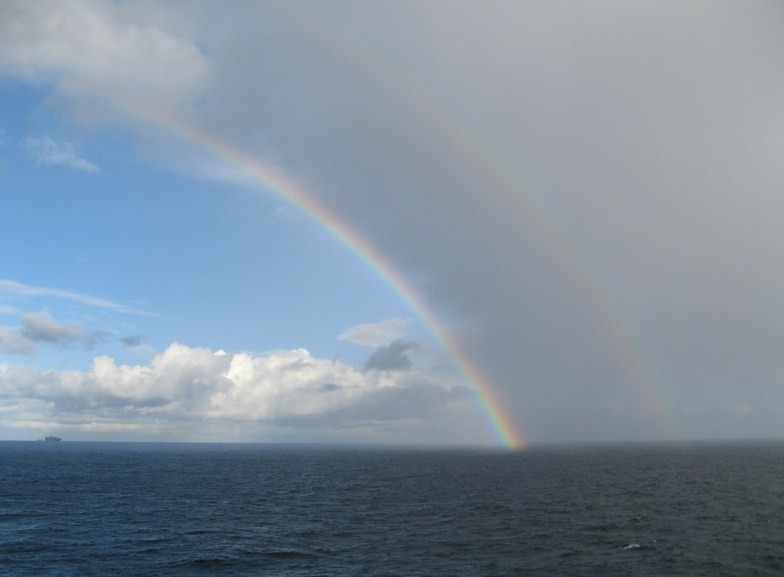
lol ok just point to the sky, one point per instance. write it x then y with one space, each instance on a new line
464 223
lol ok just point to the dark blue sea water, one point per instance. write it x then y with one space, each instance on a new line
82 509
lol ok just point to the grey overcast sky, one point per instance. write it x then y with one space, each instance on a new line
588 195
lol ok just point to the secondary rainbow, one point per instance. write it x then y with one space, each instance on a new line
277 181
497 173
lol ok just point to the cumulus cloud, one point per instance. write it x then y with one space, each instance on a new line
48 152
376 334
197 384
391 357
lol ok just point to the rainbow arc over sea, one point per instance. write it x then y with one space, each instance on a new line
276 181
502 177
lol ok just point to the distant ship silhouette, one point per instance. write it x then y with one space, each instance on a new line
52 439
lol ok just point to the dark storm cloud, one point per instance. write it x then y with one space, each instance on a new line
593 188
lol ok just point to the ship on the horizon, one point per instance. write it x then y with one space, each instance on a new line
52 439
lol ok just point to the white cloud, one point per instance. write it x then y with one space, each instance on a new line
48 152
377 334
102 56
13 287
199 385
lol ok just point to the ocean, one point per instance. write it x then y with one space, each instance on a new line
106 509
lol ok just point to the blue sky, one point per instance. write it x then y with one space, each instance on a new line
109 252
210 262
585 197
122 257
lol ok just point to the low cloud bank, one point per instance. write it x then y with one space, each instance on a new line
287 388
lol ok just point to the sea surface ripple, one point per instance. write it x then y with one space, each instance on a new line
106 509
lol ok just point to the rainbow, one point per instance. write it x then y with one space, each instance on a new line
618 328
278 182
